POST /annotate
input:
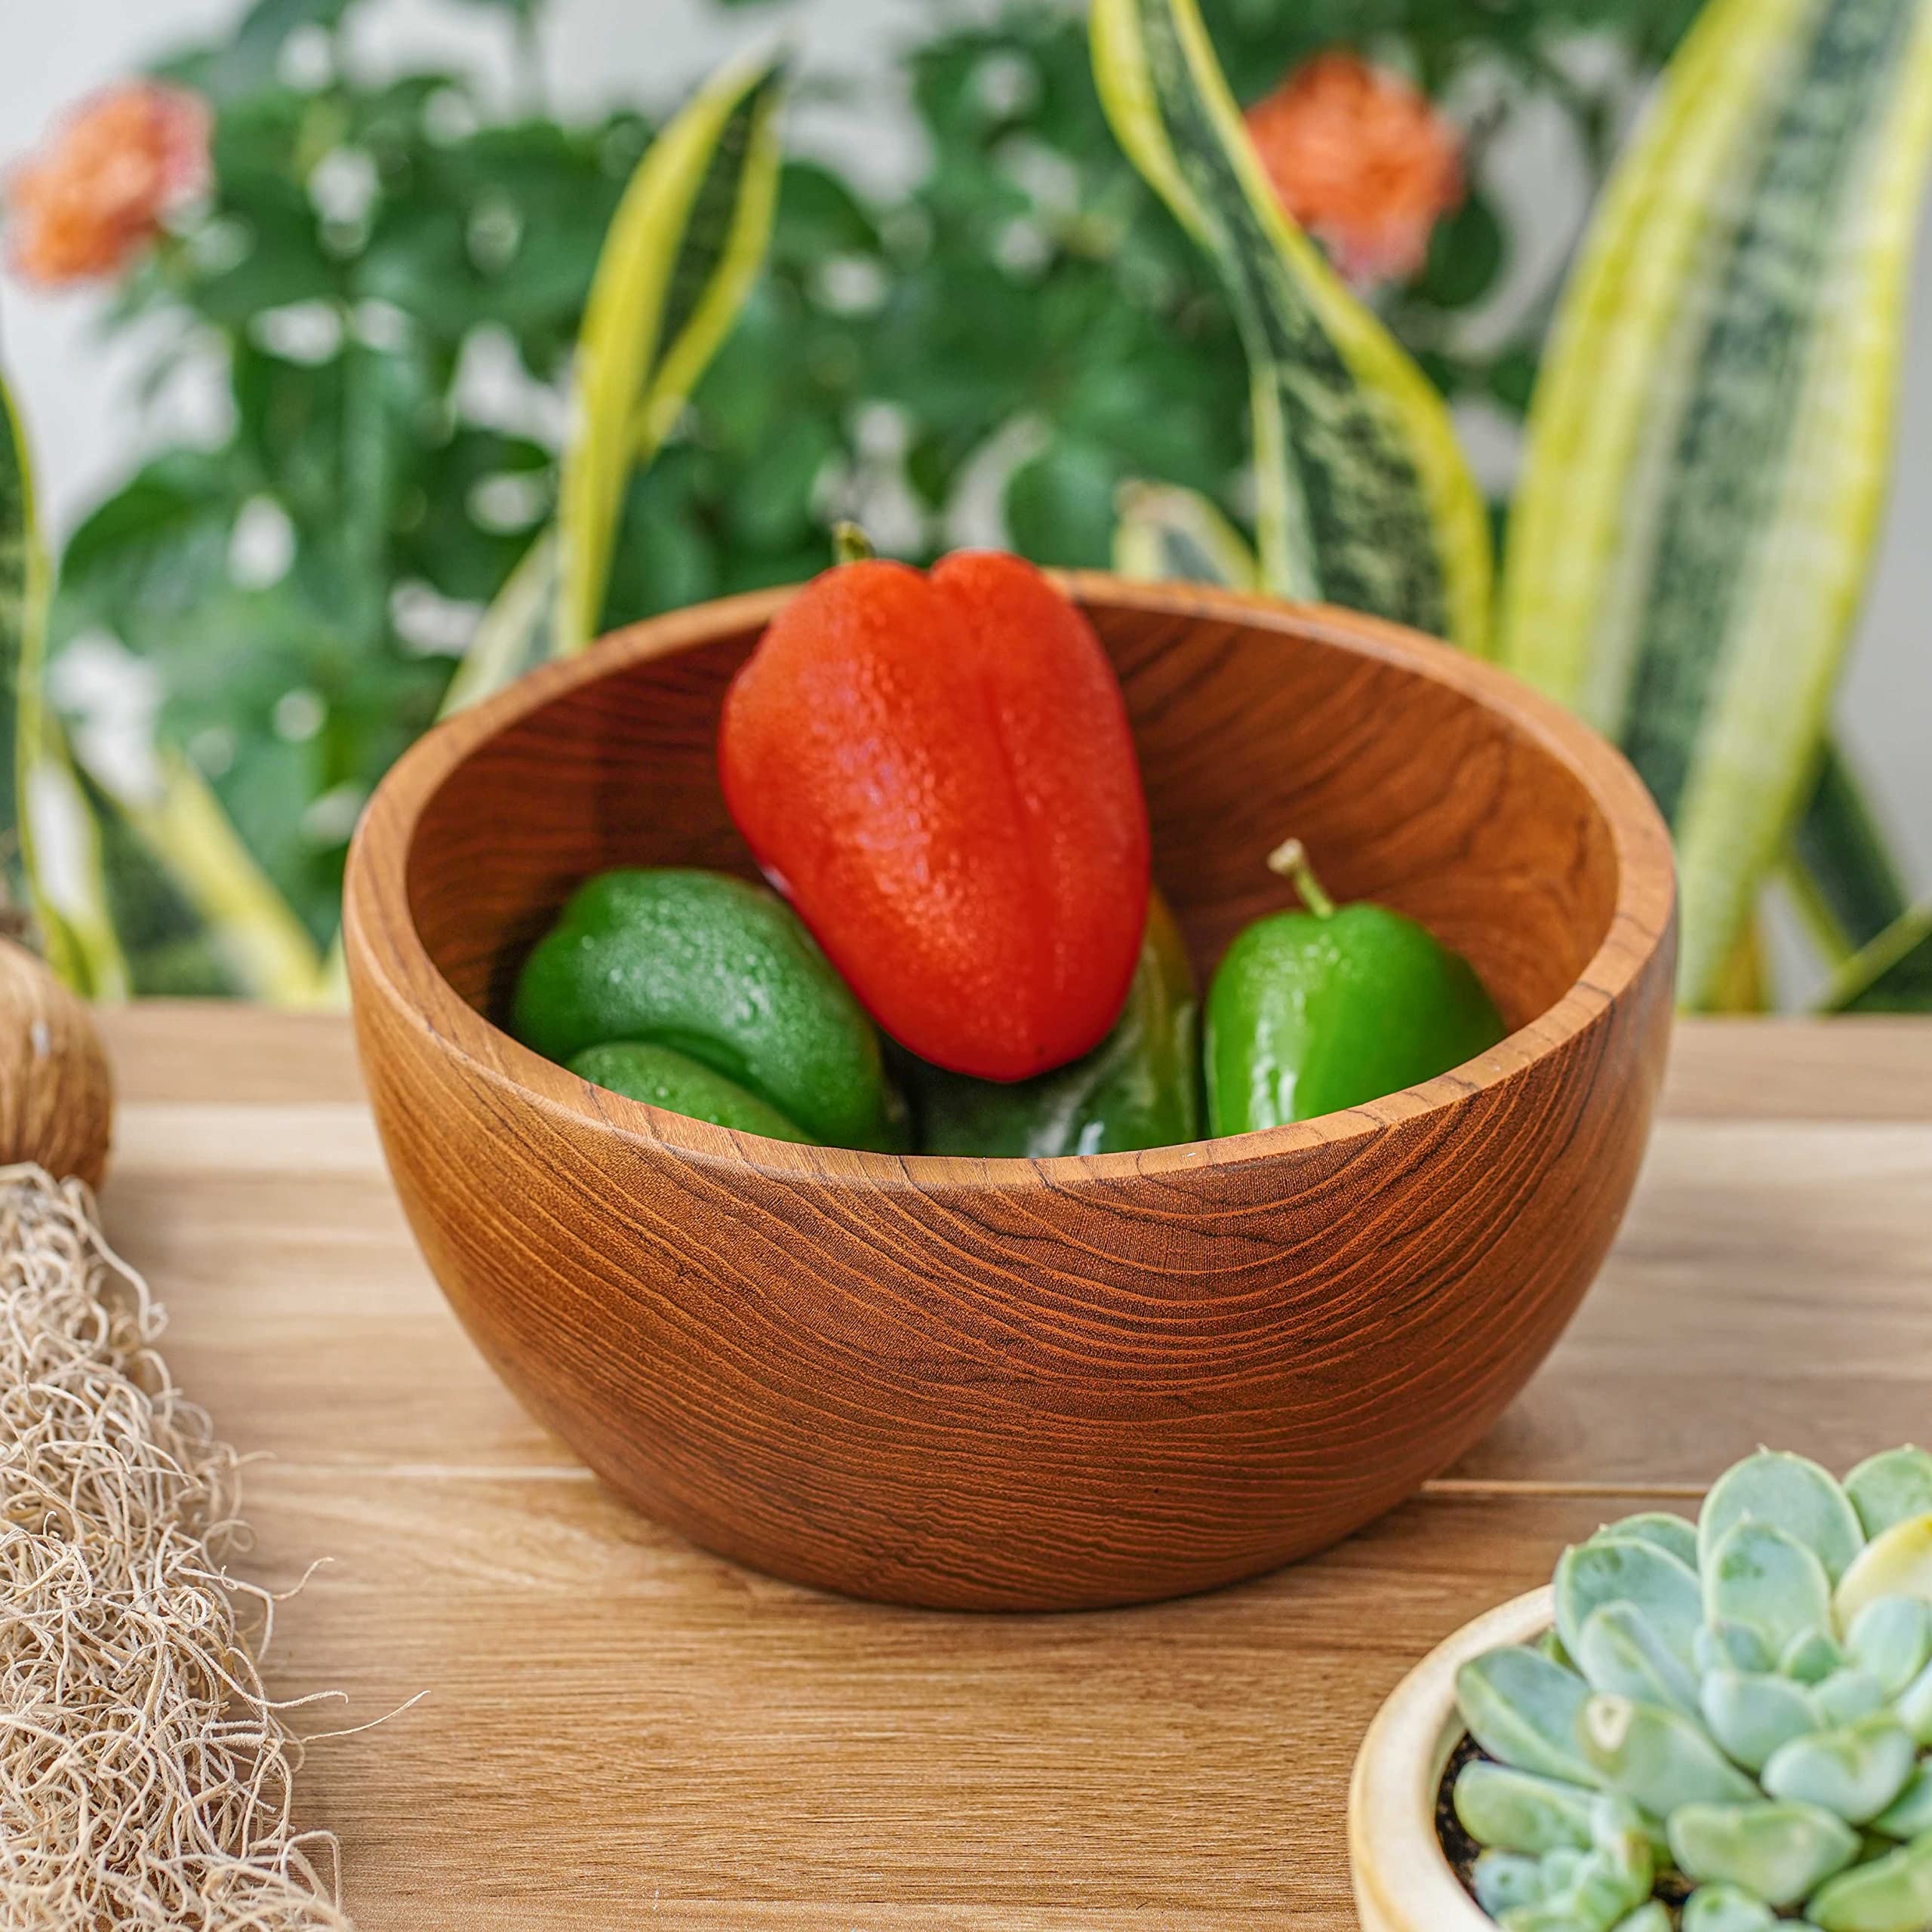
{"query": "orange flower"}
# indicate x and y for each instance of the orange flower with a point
(96, 194)
(1362, 159)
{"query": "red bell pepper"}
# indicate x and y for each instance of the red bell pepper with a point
(937, 770)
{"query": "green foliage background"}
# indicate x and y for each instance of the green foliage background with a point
(1027, 312)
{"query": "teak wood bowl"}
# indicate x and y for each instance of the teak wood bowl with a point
(1005, 1384)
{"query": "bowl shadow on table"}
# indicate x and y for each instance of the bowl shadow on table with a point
(1033, 1385)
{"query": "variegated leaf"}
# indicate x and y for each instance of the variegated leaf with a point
(249, 925)
(687, 242)
(58, 811)
(1169, 535)
(18, 590)
(52, 860)
(1893, 974)
(1365, 498)
(1709, 441)
(1841, 868)
(516, 634)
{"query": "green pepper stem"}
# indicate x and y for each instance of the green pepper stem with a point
(850, 543)
(1289, 860)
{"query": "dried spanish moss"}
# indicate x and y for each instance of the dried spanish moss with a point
(144, 1775)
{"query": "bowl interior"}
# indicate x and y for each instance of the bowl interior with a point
(1390, 758)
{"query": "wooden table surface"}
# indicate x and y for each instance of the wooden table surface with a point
(621, 1731)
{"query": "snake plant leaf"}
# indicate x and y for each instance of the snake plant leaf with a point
(1365, 498)
(1169, 535)
(1841, 870)
(1802, 1497)
(515, 635)
(249, 923)
(1887, 1488)
(22, 611)
(54, 863)
(1744, 986)
(61, 843)
(1778, 1851)
(229, 906)
(686, 244)
(1709, 443)
(1893, 974)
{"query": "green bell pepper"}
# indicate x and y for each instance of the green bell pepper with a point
(662, 1077)
(1315, 1011)
(1139, 1087)
(721, 972)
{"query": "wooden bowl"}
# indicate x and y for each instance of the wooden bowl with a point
(1006, 1384)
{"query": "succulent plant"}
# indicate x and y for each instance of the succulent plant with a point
(1726, 1730)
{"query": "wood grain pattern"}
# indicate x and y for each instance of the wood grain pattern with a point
(1808, 1069)
(623, 1730)
(1006, 1385)
(266, 1053)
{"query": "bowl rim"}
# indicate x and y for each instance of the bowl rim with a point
(1402, 1882)
(376, 898)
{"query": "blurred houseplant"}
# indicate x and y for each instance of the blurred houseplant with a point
(1709, 439)
(1003, 351)
(354, 242)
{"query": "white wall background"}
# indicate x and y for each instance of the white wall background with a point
(603, 52)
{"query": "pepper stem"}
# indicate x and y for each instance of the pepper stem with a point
(1289, 860)
(850, 543)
